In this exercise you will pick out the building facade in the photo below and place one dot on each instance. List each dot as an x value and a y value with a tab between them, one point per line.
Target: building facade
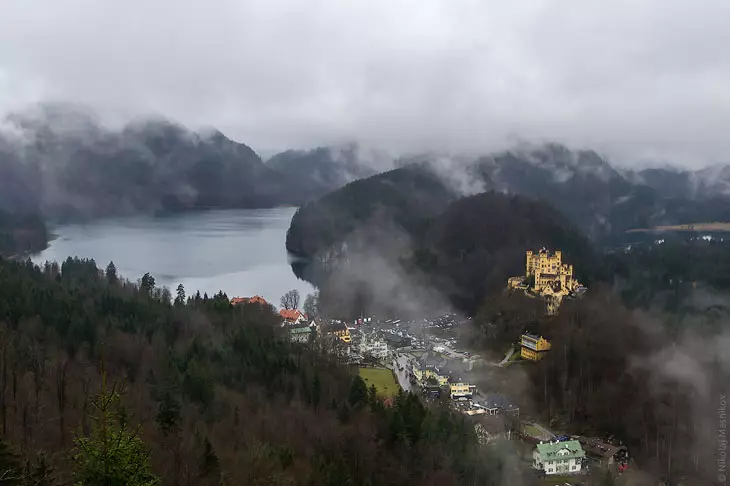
533	347
558	457
339	330
461	390
377	348
300	334
546	275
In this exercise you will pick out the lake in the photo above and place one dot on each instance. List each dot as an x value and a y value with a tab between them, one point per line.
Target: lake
241	252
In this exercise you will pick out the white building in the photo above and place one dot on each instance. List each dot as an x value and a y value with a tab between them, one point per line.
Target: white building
558	457
377	348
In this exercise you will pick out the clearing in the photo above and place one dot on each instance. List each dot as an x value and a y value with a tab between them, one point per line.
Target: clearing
382	378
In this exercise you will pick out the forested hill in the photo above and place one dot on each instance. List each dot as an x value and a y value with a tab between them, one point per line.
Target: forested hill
405	196
21	233
196	392
427	237
479	241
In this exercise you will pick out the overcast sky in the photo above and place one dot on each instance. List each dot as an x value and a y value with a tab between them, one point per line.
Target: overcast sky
633	78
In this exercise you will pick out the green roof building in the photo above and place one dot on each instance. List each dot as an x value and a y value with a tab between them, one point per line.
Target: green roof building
300	334
558	457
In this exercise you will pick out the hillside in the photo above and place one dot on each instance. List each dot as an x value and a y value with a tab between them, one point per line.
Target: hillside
480	241
325	169
202	392
404	241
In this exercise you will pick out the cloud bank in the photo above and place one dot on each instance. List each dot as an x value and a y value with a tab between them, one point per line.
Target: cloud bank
639	80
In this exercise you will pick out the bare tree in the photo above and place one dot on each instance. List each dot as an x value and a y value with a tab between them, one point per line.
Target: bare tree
290	300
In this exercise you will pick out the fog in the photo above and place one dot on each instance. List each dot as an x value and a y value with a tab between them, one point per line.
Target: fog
640	81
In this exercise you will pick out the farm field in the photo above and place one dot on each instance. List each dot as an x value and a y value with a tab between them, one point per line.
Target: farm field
701	227
382	378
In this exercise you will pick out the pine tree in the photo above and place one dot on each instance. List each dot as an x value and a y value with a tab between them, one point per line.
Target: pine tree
180	299
111	273
209	463
358	395
168	412
113	455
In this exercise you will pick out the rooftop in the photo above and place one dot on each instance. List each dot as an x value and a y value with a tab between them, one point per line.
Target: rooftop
256	299
290	314
551	451
596	447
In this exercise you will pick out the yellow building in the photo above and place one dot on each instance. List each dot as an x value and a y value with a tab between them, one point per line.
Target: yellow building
546	275
533	347
340	330
461	390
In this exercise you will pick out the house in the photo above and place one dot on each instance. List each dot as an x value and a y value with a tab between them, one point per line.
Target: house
461	390
496	404
558	457
256	299
604	452
533	347
292	317
339	330
375	347
395	341
300	333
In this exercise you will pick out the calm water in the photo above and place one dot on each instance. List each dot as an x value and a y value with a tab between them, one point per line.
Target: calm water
238	251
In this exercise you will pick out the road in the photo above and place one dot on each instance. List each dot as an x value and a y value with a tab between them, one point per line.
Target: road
403	378
507	357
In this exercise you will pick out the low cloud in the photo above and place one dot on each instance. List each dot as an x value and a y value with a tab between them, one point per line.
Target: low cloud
640	81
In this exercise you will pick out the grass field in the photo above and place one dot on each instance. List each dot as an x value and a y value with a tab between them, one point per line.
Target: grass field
382	378
703	227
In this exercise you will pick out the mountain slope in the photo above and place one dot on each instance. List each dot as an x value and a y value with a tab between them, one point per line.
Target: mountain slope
325	169
479	241
60	161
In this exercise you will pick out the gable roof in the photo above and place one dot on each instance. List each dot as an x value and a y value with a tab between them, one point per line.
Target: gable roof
551	451
256	299
599	448
290	314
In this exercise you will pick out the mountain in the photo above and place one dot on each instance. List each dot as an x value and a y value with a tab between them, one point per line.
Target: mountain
706	183
402	241
58	160
325	169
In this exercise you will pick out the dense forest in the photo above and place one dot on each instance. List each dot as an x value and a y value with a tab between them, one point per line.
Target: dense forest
101	379
651	381
21	233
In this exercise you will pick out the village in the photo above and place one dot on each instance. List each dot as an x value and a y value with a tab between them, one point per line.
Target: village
426	356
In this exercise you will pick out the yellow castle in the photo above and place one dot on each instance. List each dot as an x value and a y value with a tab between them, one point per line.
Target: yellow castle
546	275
